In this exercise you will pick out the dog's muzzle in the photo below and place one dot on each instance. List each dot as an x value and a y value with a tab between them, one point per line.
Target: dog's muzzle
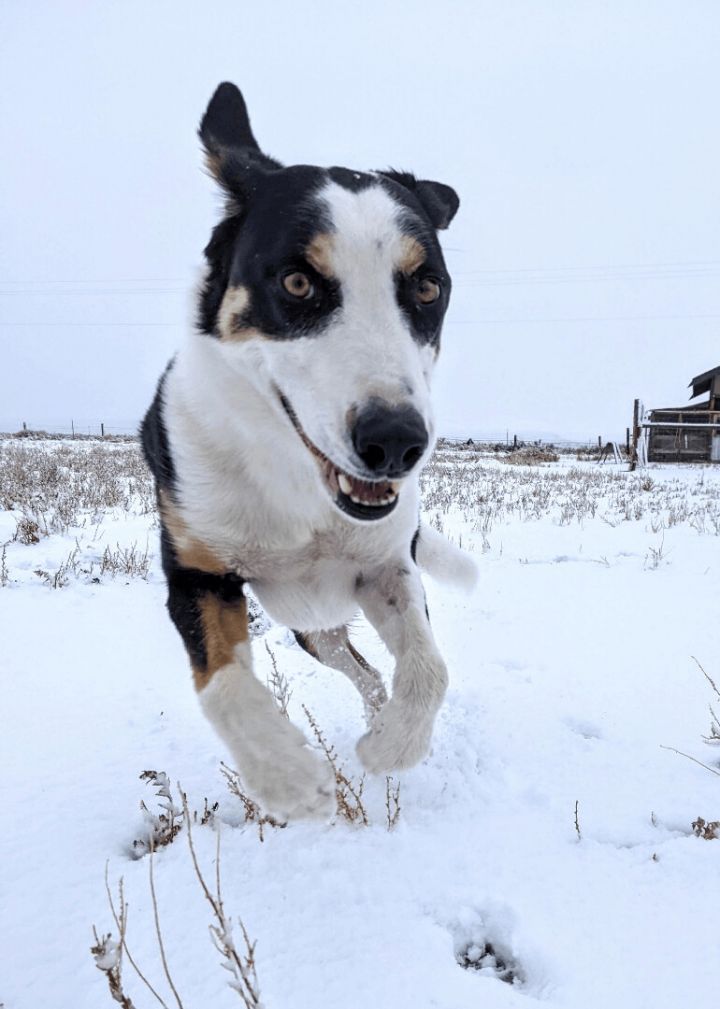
365	500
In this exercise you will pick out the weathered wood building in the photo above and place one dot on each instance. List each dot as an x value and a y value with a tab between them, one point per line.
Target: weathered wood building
688	433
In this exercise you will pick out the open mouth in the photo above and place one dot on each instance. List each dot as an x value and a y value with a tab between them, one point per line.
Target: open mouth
361	499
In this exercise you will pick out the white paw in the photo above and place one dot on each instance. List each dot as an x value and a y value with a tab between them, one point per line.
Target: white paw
294	785
399	738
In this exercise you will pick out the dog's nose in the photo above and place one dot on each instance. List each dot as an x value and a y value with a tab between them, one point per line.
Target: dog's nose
389	440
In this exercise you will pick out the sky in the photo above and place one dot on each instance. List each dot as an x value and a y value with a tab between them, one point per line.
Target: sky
581	137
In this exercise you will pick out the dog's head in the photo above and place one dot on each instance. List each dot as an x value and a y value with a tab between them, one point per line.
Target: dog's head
337	279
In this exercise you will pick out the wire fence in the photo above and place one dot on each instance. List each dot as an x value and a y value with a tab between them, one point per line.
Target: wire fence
92	428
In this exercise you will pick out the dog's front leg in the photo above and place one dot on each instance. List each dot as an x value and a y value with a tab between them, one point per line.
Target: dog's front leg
394	602
271	754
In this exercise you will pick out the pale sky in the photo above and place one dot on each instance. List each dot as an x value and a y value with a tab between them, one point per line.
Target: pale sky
582	139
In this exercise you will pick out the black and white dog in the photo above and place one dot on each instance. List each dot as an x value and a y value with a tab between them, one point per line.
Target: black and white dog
286	439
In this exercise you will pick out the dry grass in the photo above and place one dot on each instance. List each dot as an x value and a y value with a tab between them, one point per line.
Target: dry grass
530	455
709	831
108	953
163	825
52	482
483	493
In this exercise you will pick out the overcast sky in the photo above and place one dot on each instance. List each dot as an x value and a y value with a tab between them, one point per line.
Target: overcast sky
582	138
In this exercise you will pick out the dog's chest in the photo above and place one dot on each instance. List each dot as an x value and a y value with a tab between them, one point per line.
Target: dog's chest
313	587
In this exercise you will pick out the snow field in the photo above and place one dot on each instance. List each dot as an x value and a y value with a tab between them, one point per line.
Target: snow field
570	667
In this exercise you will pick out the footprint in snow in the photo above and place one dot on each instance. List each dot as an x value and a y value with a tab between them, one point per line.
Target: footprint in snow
486	959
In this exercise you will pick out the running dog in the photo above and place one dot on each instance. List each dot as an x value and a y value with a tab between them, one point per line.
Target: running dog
286	441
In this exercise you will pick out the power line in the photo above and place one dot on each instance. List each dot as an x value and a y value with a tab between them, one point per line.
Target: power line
451	322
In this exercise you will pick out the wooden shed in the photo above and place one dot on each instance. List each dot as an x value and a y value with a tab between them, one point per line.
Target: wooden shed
688	433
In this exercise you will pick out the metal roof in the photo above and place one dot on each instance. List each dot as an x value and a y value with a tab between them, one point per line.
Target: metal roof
702	383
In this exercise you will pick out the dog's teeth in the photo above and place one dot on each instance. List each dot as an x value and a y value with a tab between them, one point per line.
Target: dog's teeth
345	484
356	499
395	486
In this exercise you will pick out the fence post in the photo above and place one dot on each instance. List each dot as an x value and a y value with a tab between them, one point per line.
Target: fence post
72	427
635	435
24	425
102	430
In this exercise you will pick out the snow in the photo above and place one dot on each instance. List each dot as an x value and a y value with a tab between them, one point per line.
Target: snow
571	667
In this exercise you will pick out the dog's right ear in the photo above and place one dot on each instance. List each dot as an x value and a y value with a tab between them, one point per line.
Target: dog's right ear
231	150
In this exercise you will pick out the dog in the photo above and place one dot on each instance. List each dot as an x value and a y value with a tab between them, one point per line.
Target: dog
286	439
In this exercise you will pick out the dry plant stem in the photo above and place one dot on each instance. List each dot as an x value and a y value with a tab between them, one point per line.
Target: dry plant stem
714	736
253	813
245	983
113	974
121	924
681	754
343	785
392	802
157	926
577	822
278	684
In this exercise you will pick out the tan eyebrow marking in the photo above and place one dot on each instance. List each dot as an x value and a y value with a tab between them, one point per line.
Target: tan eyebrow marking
412	255
319	254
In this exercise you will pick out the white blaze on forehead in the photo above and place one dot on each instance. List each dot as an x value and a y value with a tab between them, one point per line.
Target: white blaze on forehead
367	241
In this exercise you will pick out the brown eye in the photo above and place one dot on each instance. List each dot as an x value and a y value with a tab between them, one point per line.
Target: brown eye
298	284
428	290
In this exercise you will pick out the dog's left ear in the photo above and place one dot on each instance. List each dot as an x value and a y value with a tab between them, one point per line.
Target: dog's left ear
230	147
440	202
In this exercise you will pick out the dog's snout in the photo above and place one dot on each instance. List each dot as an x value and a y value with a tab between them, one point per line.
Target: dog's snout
389	440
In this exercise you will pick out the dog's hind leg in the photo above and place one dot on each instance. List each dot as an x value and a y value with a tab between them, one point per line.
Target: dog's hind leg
270	753
335	649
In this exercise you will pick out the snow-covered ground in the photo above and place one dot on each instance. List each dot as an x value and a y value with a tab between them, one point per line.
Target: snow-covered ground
548	823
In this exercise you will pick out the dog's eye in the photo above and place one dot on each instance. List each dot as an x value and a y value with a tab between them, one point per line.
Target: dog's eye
298	284
427	291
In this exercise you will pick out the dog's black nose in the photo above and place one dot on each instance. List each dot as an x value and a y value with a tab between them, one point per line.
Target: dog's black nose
389	440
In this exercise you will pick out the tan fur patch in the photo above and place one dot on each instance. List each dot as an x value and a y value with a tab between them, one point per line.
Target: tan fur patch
412	255
191	552
213	163
235	302
319	254
224	626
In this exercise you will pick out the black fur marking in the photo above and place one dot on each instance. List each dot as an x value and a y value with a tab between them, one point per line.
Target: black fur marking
186	589
434	200
230	144
414	545
154	440
425	320
304	641
218	253
348	179
257	246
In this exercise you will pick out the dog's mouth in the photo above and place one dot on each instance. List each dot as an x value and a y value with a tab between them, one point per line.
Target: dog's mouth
361	499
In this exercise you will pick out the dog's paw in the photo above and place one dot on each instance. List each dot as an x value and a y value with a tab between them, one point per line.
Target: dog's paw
399	738
298	786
